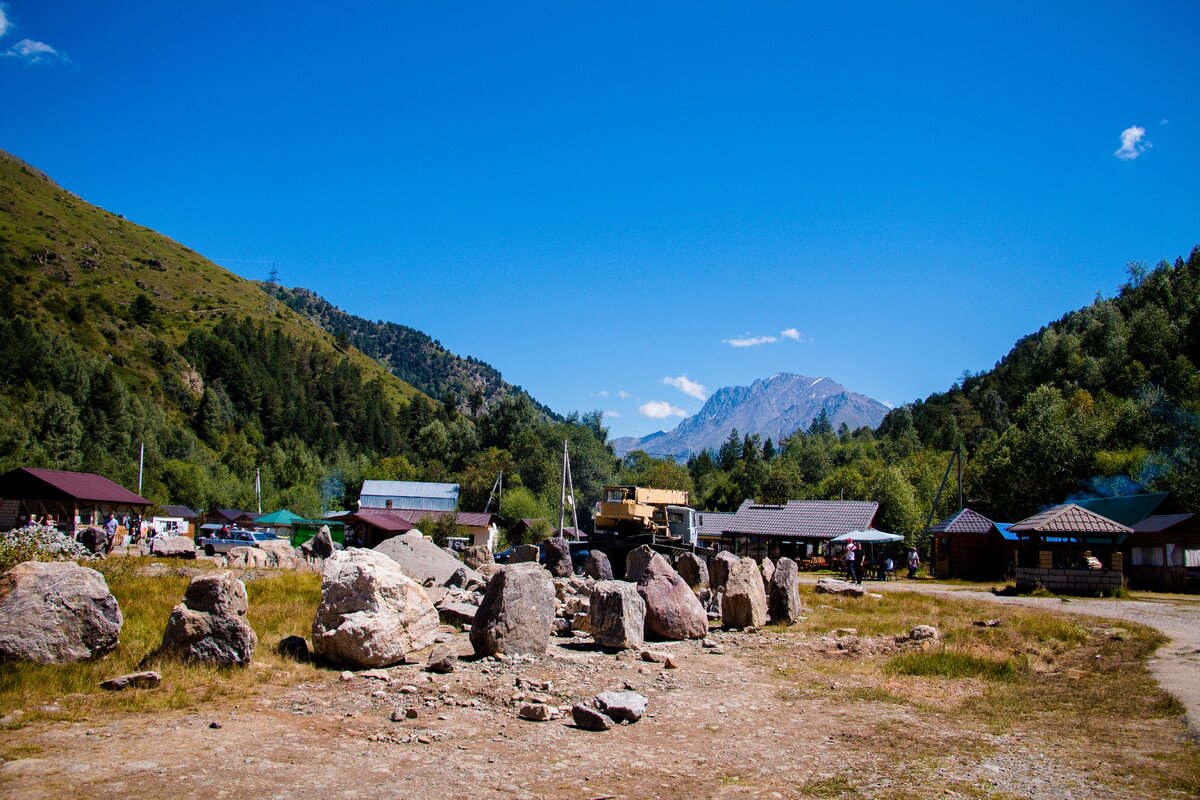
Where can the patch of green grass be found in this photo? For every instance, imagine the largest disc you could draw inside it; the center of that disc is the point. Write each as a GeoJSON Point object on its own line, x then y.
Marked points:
{"type": "Point", "coordinates": [836, 786]}
{"type": "Point", "coordinates": [946, 663]}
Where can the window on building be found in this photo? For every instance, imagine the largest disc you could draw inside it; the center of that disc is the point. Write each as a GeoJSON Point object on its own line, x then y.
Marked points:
{"type": "Point", "coordinates": [1147, 557]}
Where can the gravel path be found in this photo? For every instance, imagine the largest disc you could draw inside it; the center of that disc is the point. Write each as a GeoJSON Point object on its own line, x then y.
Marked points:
{"type": "Point", "coordinates": [1176, 665]}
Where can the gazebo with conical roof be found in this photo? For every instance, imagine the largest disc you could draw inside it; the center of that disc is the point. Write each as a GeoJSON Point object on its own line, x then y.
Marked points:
{"type": "Point", "coordinates": [1060, 548]}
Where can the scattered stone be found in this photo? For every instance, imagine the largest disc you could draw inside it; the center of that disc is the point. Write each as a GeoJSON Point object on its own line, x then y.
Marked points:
{"type": "Point", "coordinates": [672, 610]}
{"type": "Point", "coordinates": [216, 726]}
{"type": "Point", "coordinates": [598, 566]}
{"type": "Point", "coordinates": [173, 547]}
{"type": "Point", "coordinates": [346, 675]}
{"type": "Point", "coordinates": [293, 647]}
{"type": "Point", "coordinates": [558, 556]}
{"type": "Point", "coordinates": [655, 656]}
{"type": "Point", "coordinates": [783, 602]}
{"type": "Point", "coordinates": [718, 570]}
{"type": "Point", "coordinates": [582, 621]}
{"type": "Point", "coordinates": [768, 572]}
{"type": "Point", "coordinates": [488, 570]}
{"type": "Point", "coordinates": [442, 660]}
{"type": "Point", "coordinates": [410, 713]}
{"type": "Point", "coordinates": [922, 632]}
{"type": "Point", "coordinates": [845, 631]}
{"type": "Point", "coordinates": [709, 644]}
{"type": "Point", "coordinates": [988, 623]}
{"type": "Point", "coordinates": [694, 571]}
{"type": "Point", "coordinates": [744, 603]}
{"type": "Point", "coordinates": [670, 663]}
{"type": "Point", "coordinates": [375, 674]}
{"type": "Point", "coordinates": [636, 561]}
{"type": "Point", "coordinates": [134, 680]}
{"type": "Point", "coordinates": [622, 706]}
{"type": "Point", "coordinates": [280, 553]}
{"type": "Point", "coordinates": [538, 712]}
{"type": "Point", "coordinates": [209, 626]}
{"type": "Point", "coordinates": [371, 614]}
{"type": "Point", "coordinates": [476, 556]}
{"type": "Point", "coordinates": [57, 612]}
{"type": "Point", "coordinates": [516, 613]}
{"type": "Point", "coordinates": [839, 587]}
{"type": "Point", "coordinates": [589, 719]}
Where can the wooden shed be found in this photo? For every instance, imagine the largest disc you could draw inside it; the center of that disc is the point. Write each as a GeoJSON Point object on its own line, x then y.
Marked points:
{"type": "Point", "coordinates": [73, 499]}
{"type": "Point", "coordinates": [969, 545]}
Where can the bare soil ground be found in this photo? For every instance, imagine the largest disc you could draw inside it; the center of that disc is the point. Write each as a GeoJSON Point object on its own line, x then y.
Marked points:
{"type": "Point", "coordinates": [795, 713]}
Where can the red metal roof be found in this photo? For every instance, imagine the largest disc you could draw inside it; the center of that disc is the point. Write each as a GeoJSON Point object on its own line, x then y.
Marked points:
{"type": "Point", "coordinates": [963, 521]}
{"type": "Point", "coordinates": [469, 519]}
{"type": "Point", "coordinates": [802, 519]}
{"type": "Point", "coordinates": [384, 522]}
{"type": "Point", "coordinates": [1068, 518]}
{"type": "Point", "coordinates": [45, 484]}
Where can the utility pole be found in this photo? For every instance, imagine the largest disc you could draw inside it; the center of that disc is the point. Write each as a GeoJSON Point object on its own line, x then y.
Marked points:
{"type": "Point", "coordinates": [258, 487]}
{"type": "Point", "coordinates": [562, 497]}
{"type": "Point", "coordinates": [141, 465]}
{"type": "Point", "coordinates": [497, 493]}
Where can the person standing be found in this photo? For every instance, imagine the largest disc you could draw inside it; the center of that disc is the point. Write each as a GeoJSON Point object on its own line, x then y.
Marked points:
{"type": "Point", "coordinates": [914, 561]}
{"type": "Point", "coordinates": [110, 532]}
{"type": "Point", "coordinates": [852, 562]}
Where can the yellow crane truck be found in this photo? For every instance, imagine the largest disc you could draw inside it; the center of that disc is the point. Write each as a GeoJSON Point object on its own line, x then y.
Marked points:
{"type": "Point", "coordinates": [628, 516]}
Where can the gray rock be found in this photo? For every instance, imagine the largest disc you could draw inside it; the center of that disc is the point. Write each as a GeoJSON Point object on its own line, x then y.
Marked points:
{"type": "Point", "coordinates": [209, 626]}
{"type": "Point", "coordinates": [744, 603]}
{"type": "Point", "coordinates": [923, 632]}
{"type": "Point", "coordinates": [636, 561]}
{"type": "Point", "coordinates": [488, 570]}
{"type": "Point", "coordinates": [57, 612]}
{"type": "Point", "coordinates": [718, 570]}
{"type": "Point", "coordinates": [598, 566]}
{"type": "Point", "coordinates": [457, 614]}
{"type": "Point", "coordinates": [525, 553]}
{"type": "Point", "coordinates": [476, 556]}
{"type": "Point", "coordinates": [589, 719]}
{"type": "Point", "coordinates": [442, 660]}
{"type": "Point", "coordinates": [247, 558]}
{"type": "Point", "coordinates": [321, 545]}
{"type": "Point", "coordinates": [783, 602]}
{"type": "Point", "coordinates": [694, 571]}
{"type": "Point", "coordinates": [422, 560]}
{"type": "Point", "coordinates": [538, 712]}
{"type": "Point", "coordinates": [280, 553]}
{"type": "Point", "coordinates": [134, 680]}
{"type": "Point", "coordinates": [516, 612]}
{"type": "Point", "coordinates": [464, 578]}
{"type": "Point", "coordinates": [371, 613]}
{"type": "Point", "coordinates": [767, 568]}
{"type": "Point", "coordinates": [558, 557]}
{"type": "Point", "coordinates": [618, 615]}
{"type": "Point", "coordinates": [839, 587]}
{"type": "Point", "coordinates": [622, 706]}
{"type": "Point", "coordinates": [672, 610]}
{"type": "Point", "coordinates": [173, 547]}
{"type": "Point", "coordinates": [95, 539]}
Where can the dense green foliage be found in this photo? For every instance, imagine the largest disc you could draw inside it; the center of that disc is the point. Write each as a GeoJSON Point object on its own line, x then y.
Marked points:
{"type": "Point", "coordinates": [410, 354]}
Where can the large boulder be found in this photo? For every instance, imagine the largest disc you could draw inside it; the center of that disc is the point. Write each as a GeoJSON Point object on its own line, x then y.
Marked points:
{"type": "Point", "coordinates": [280, 553]}
{"type": "Point", "coordinates": [516, 613]}
{"type": "Point", "coordinates": [319, 546]}
{"type": "Point", "coordinates": [744, 603]}
{"type": "Point", "coordinates": [672, 610]}
{"type": "Point", "coordinates": [371, 613]}
{"type": "Point", "coordinates": [618, 615]}
{"type": "Point", "coordinates": [598, 566]}
{"type": "Point", "coordinates": [476, 556]}
{"type": "Point", "coordinates": [636, 561]}
{"type": "Point", "coordinates": [783, 601]}
{"type": "Point", "coordinates": [558, 557]}
{"type": "Point", "coordinates": [95, 539]}
{"type": "Point", "coordinates": [173, 547]}
{"type": "Point", "coordinates": [56, 612]}
{"type": "Point", "coordinates": [718, 570]}
{"type": "Point", "coordinates": [209, 626]}
{"type": "Point", "coordinates": [767, 568]}
{"type": "Point", "coordinates": [247, 558]}
{"type": "Point", "coordinates": [525, 553]}
{"type": "Point", "coordinates": [694, 570]}
{"type": "Point", "coordinates": [422, 560]}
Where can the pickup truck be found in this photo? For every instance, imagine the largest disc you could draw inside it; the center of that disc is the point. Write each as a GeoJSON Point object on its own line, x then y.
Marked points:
{"type": "Point", "coordinates": [233, 538]}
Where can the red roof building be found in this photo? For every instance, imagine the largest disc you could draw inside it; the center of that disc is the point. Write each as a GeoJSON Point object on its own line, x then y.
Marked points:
{"type": "Point", "coordinates": [72, 499]}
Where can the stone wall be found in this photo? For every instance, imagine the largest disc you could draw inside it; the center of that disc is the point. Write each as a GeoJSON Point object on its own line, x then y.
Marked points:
{"type": "Point", "coordinates": [1069, 581]}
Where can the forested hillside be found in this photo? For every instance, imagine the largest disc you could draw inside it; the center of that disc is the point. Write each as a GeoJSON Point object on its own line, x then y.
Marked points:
{"type": "Point", "coordinates": [114, 336]}
{"type": "Point", "coordinates": [411, 355]}
{"type": "Point", "coordinates": [1104, 401]}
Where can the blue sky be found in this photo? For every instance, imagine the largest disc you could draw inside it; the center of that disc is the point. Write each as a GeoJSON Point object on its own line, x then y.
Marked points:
{"type": "Point", "coordinates": [600, 199]}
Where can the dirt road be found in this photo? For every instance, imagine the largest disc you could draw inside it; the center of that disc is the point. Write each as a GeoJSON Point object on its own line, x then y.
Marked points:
{"type": "Point", "coordinates": [1177, 663]}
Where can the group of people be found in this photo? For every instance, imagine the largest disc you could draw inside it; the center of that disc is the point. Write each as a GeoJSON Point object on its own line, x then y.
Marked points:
{"type": "Point", "coordinates": [884, 566]}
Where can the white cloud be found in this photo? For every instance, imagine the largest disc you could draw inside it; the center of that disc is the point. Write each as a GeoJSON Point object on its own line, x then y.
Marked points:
{"type": "Point", "coordinates": [750, 341]}
{"type": "Point", "coordinates": [612, 414]}
{"type": "Point", "coordinates": [688, 386]}
{"type": "Point", "coordinates": [603, 392]}
{"type": "Point", "coordinates": [790, 333]}
{"type": "Point", "coordinates": [1164, 121]}
{"type": "Point", "coordinates": [4, 23]}
{"type": "Point", "coordinates": [624, 395]}
{"type": "Point", "coordinates": [658, 409]}
{"type": "Point", "coordinates": [1132, 145]}
{"type": "Point", "coordinates": [35, 52]}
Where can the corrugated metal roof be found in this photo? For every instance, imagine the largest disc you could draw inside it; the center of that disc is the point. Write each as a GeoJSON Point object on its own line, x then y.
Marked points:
{"type": "Point", "coordinates": [441, 491]}
{"type": "Point", "coordinates": [1127, 510]}
{"type": "Point", "coordinates": [180, 511]}
{"type": "Point", "coordinates": [36, 483]}
{"type": "Point", "coordinates": [712, 523]}
{"type": "Point", "coordinates": [1069, 518]}
{"type": "Point", "coordinates": [471, 519]}
{"type": "Point", "coordinates": [1161, 522]}
{"type": "Point", "coordinates": [963, 521]}
{"type": "Point", "coordinates": [802, 519]}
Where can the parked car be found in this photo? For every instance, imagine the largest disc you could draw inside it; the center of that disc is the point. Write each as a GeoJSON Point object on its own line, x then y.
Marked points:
{"type": "Point", "coordinates": [225, 541]}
